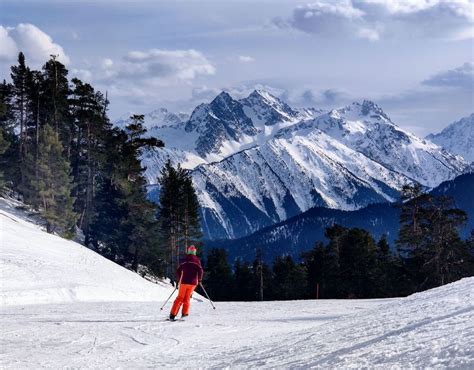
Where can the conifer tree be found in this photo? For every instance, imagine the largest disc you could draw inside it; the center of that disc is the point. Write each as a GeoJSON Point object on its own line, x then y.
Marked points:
{"type": "Point", "coordinates": [90, 129]}
{"type": "Point", "coordinates": [56, 101]}
{"type": "Point", "coordinates": [125, 226]}
{"type": "Point", "coordinates": [429, 239]}
{"type": "Point", "coordinates": [244, 284]}
{"type": "Point", "coordinates": [9, 160]}
{"type": "Point", "coordinates": [386, 270]}
{"type": "Point", "coordinates": [315, 262]}
{"type": "Point", "coordinates": [4, 145]}
{"type": "Point", "coordinates": [190, 221]}
{"type": "Point", "coordinates": [55, 184]}
{"type": "Point", "coordinates": [218, 278]}
{"type": "Point", "coordinates": [168, 214]}
{"type": "Point", "coordinates": [289, 279]}
{"type": "Point", "coordinates": [178, 213]}
{"type": "Point", "coordinates": [19, 75]}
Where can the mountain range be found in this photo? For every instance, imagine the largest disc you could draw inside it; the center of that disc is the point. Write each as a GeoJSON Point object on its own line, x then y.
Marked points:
{"type": "Point", "coordinates": [301, 232]}
{"type": "Point", "coordinates": [257, 161]}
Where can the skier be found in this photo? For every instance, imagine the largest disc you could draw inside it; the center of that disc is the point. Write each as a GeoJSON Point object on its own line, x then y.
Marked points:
{"type": "Point", "coordinates": [189, 275]}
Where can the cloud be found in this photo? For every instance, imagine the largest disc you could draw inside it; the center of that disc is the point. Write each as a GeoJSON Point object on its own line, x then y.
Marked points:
{"type": "Point", "coordinates": [157, 67]}
{"type": "Point", "coordinates": [437, 101]}
{"type": "Point", "coordinates": [9, 49]}
{"type": "Point", "coordinates": [460, 77]}
{"type": "Point", "coordinates": [82, 74]}
{"type": "Point", "coordinates": [32, 41]}
{"type": "Point", "coordinates": [107, 63]}
{"type": "Point", "coordinates": [326, 98]}
{"type": "Point", "coordinates": [152, 75]}
{"type": "Point", "coordinates": [375, 19]}
{"type": "Point", "coordinates": [331, 19]}
{"type": "Point", "coordinates": [246, 59]}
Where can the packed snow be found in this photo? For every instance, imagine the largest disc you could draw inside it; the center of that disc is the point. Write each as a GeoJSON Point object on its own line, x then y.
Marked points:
{"type": "Point", "coordinates": [95, 314]}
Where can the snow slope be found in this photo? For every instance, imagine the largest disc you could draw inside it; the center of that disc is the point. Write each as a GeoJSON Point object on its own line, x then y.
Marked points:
{"type": "Point", "coordinates": [457, 138]}
{"type": "Point", "coordinates": [36, 267]}
{"type": "Point", "coordinates": [430, 329]}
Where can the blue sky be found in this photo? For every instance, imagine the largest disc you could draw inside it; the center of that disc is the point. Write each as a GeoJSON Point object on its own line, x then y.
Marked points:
{"type": "Point", "coordinates": [412, 57]}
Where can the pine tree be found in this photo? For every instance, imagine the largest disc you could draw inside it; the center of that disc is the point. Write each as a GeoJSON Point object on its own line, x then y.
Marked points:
{"type": "Point", "coordinates": [90, 129]}
{"type": "Point", "coordinates": [386, 270]}
{"type": "Point", "coordinates": [4, 145]}
{"type": "Point", "coordinates": [190, 221]}
{"type": "Point", "coordinates": [262, 278]}
{"type": "Point", "coordinates": [56, 101]}
{"type": "Point", "coordinates": [9, 160]}
{"type": "Point", "coordinates": [124, 227]}
{"type": "Point", "coordinates": [244, 285]}
{"type": "Point", "coordinates": [429, 241]}
{"type": "Point", "coordinates": [289, 279]}
{"type": "Point", "coordinates": [55, 185]}
{"type": "Point", "coordinates": [315, 262]}
{"type": "Point", "coordinates": [178, 213]}
{"type": "Point", "coordinates": [167, 214]}
{"type": "Point", "coordinates": [218, 278]}
{"type": "Point", "coordinates": [19, 75]}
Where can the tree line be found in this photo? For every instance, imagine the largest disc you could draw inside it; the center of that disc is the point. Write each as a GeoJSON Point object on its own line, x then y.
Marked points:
{"type": "Point", "coordinates": [352, 264]}
{"type": "Point", "coordinates": [62, 156]}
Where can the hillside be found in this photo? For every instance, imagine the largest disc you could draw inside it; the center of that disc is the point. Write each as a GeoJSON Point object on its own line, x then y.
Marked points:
{"type": "Point", "coordinates": [40, 268]}
{"type": "Point", "coordinates": [300, 233]}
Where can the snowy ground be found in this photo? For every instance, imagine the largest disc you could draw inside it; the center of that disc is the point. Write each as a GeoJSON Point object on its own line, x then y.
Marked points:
{"type": "Point", "coordinates": [430, 329]}
{"type": "Point", "coordinates": [83, 321]}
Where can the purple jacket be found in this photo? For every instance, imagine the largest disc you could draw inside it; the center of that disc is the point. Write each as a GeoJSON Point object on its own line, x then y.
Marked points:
{"type": "Point", "coordinates": [191, 270]}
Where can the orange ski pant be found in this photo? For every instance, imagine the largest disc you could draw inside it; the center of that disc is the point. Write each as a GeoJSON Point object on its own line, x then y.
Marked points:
{"type": "Point", "coordinates": [183, 298]}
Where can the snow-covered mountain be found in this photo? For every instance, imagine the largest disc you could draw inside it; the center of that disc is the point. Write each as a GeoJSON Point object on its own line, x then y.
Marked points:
{"type": "Point", "coordinates": [365, 128]}
{"type": "Point", "coordinates": [286, 176]}
{"type": "Point", "coordinates": [156, 119]}
{"type": "Point", "coordinates": [257, 161]}
{"type": "Point", "coordinates": [299, 233]}
{"type": "Point", "coordinates": [221, 128]}
{"type": "Point", "coordinates": [457, 138]}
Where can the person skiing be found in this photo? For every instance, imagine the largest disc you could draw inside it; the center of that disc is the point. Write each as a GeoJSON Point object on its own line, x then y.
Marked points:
{"type": "Point", "coordinates": [189, 275]}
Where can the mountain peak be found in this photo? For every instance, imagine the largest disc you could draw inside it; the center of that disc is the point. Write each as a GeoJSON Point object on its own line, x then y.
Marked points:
{"type": "Point", "coordinates": [224, 96]}
{"type": "Point", "coordinates": [457, 137]}
{"type": "Point", "coordinates": [369, 106]}
{"type": "Point", "coordinates": [263, 94]}
{"type": "Point", "coordinates": [266, 108]}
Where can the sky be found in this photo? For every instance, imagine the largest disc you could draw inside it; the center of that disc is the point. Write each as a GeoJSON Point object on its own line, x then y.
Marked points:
{"type": "Point", "coordinates": [414, 58]}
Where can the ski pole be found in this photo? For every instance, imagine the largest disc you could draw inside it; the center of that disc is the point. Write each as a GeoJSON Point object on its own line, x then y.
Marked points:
{"type": "Point", "coordinates": [207, 295]}
{"type": "Point", "coordinates": [164, 304]}
{"type": "Point", "coordinates": [175, 288]}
